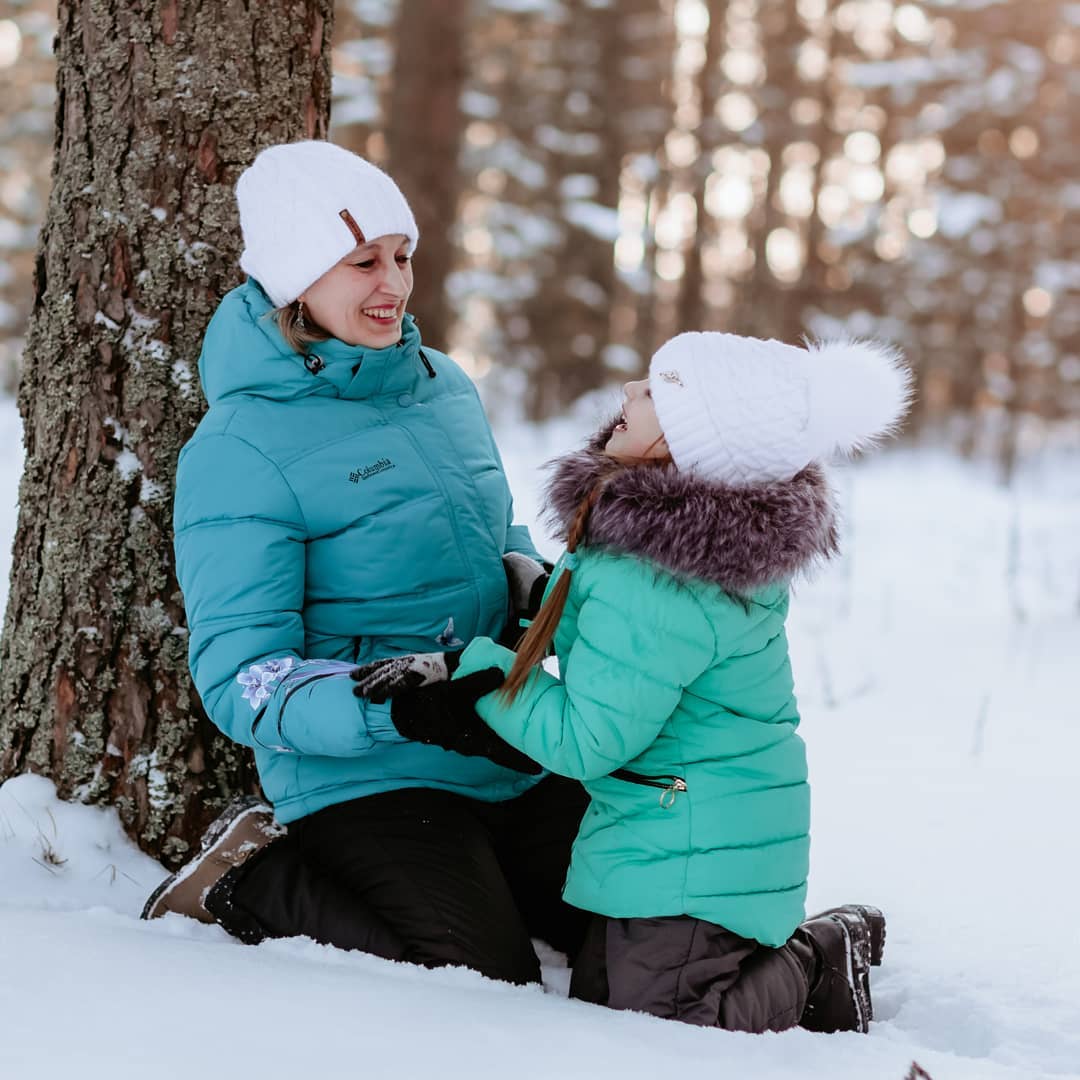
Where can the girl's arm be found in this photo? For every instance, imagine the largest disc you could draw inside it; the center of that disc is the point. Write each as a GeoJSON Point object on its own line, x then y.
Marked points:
{"type": "Point", "coordinates": [642, 639]}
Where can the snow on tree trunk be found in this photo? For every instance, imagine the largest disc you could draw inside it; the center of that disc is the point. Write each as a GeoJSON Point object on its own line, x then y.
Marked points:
{"type": "Point", "coordinates": [159, 108]}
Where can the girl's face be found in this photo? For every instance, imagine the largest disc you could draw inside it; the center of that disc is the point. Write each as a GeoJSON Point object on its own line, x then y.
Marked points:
{"type": "Point", "coordinates": [638, 435]}
{"type": "Point", "coordinates": [361, 300]}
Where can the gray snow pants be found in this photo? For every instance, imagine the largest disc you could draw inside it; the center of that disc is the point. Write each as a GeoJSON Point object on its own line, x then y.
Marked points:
{"type": "Point", "coordinates": [680, 968]}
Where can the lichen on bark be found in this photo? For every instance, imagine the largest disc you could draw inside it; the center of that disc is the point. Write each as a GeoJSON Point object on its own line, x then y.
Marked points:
{"type": "Point", "coordinates": [159, 108]}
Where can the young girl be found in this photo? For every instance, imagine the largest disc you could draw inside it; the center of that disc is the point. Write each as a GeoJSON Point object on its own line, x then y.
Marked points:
{"type": "Point", "coordinates": [685, 522]}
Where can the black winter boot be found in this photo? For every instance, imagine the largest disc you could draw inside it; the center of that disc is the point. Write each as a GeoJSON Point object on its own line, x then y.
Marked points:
{"type": "Point", "coordinates": [839, 998]}
{"type": "Point", "coordinates": [875, 923]}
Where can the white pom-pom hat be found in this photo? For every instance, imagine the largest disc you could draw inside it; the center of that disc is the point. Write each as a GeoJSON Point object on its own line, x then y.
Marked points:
{"type": "Point", "coordinates": [305, 205]}
{"type": "Point", "coordinates": [741, 411]}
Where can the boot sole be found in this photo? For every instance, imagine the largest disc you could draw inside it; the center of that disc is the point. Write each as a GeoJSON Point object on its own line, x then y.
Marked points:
{"type": "Point", "coordinates": [148, 911]}
{"type": "Point", "coordinates": [859, 952]}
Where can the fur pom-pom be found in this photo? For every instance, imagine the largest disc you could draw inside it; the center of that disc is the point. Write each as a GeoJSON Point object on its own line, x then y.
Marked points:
{"type": "Point", "coordinates": [859, 393]}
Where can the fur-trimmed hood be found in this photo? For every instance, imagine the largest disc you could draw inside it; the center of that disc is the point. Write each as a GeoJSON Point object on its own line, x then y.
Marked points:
{"type": "Point", "coordinates": [740, 538]}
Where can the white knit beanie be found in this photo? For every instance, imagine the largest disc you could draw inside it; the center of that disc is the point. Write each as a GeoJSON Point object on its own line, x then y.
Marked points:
{"type": "Point", "coordinates": [295, 200]}
{"type": "Point", "coordinates": [741, 411]}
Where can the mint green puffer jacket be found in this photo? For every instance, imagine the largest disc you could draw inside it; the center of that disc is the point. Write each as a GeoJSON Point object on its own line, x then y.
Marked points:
{"type": "Point", "coordinates": [328, 513]}
{"type": "Point", "coordinates": [675, 705]}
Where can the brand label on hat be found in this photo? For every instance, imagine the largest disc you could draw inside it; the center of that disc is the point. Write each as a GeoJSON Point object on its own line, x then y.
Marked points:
{"type": "Point", "coordinates": [349, 220]}
{"type": "Point", "coordinates": [365, 472]}
{"type": "Point", "coordinates": [671, 377]}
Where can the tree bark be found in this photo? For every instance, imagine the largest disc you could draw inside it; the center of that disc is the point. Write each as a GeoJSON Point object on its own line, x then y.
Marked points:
{"type": "Point", "coordinates": [159, 108]}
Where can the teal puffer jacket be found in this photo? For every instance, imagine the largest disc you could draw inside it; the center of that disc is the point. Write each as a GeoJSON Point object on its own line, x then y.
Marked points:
{"type": "Point", "coordinates": [329, 512]}
{"type": "Point", "coordinates": [675, 702]}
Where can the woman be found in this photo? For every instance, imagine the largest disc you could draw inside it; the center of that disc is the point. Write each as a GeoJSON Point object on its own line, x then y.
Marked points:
{"type": "Point", "coordinates": [341, 501]}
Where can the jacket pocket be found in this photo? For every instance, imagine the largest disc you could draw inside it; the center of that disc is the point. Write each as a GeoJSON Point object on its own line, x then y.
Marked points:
{"type": "Point", "coordinates": [669, 786]}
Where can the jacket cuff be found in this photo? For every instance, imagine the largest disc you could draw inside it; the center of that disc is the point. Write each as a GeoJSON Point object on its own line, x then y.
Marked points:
{"type": "Point", "coordinates": [314, 711]}
{"type": "Point", "coordinates": [379, 725]}
{"type": "Point", "coordinates": [483, 653]}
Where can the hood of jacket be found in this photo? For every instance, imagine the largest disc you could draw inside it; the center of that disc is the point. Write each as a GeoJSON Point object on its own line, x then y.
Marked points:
{"type": "Point", "coordinates": [244, 354]}
{"type": "Point", "coordinates": [741, 539]}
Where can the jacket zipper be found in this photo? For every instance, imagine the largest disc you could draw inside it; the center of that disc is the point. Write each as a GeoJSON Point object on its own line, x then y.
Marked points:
{"type": "Point", "coordinates": [451, 512]}
{"type": "Point", "coordinates": [670, 785]}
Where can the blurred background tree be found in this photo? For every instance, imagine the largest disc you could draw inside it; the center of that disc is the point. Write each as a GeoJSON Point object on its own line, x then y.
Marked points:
{"type": "Point", "coordinates": [27, 96]}
{"type": "Point", "coordinates": [592, 176]}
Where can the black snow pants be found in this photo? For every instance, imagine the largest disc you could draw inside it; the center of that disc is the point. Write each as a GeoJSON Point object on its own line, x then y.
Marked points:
{"type": "Point", "coordinates": [681, 968]}
{"type": "Point", "coordinates": [425, 876]}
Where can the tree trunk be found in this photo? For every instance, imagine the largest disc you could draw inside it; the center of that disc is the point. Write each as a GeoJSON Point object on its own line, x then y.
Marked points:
{"type": "Point", "coordinates": [570, 312]}
{"type": "Point", "coordinates": [424, 137]}
{"type": "Point", "coordinates": [691, 307]}
{"type": "Point", "coordinates": [609, 102]}
{"type": "Point", "coordinates": [764, 310]}
{"type": "Point", "coordinates": [159, 108]}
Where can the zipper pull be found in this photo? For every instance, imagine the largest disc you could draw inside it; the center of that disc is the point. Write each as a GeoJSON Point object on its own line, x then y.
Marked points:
{"type": "Point", "coordinates": [667, 796]}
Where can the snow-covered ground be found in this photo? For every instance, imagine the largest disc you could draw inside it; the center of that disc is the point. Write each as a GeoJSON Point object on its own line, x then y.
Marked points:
{"type": "Point", "coordinates": [944, 734]}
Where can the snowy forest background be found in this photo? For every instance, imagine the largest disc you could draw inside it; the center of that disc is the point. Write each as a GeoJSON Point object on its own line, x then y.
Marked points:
{"type": "Point", "coordinates": [590, 177]}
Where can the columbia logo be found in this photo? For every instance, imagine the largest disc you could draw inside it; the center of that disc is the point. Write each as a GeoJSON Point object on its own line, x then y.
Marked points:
{"type": "Point", "coordinates": [365, 472]}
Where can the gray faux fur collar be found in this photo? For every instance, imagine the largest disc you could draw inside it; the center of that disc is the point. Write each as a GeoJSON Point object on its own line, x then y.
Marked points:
{"type": "Point", "coordinates": [738, 538]}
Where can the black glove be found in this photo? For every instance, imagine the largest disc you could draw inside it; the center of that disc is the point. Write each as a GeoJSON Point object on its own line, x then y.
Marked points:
{"type": "Point", "coordinates": [444, 714]}
{"type": "Point", "coordinates": [427, 707]}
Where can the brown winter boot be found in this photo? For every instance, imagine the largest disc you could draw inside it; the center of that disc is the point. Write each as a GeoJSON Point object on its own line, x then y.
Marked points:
{"type": "Point", "coordinates": [245, 826]}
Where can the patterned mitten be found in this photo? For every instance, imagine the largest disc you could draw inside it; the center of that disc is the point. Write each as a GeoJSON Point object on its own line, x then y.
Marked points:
{"type": "Point", "coordinates": [383, 679]}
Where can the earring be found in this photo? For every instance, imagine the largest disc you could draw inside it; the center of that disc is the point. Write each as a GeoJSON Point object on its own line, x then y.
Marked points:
{"type": "Point", "coordinates": [300, 324]}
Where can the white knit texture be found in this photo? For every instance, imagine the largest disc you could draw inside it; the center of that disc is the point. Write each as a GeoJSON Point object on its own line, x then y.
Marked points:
{"type": "Point", "coordinates": [741, 411]}
{"type": "Point", "coordinates": [290, 201]}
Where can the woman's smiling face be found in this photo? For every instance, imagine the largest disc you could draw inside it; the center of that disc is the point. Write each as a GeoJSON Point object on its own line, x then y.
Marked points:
{"type": "Point", "coordinates": [638, 435]}
{"type": "Point", "coordinates": [362, 299]}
